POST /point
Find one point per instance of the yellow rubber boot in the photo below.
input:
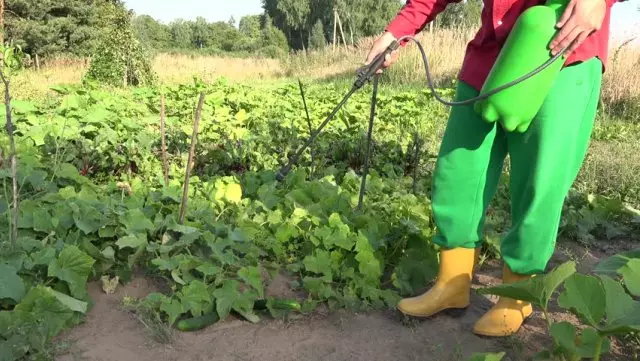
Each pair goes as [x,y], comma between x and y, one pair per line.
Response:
[507,315]
[452,288]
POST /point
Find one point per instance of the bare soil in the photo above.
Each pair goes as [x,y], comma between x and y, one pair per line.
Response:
[110,333]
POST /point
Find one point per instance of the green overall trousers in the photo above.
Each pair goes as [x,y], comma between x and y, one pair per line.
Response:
[545,161]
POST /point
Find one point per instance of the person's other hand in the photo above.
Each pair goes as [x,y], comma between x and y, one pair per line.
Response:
[379,46]
[579,20]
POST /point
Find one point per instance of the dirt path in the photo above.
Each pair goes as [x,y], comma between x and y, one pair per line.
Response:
[112,334]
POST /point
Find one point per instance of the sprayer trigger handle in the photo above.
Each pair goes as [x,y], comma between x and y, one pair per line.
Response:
[366,72]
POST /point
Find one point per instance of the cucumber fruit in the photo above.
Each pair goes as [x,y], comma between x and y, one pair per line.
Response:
[198,323]
[278,304]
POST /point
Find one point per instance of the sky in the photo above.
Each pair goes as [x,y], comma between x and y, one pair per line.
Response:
[625,19]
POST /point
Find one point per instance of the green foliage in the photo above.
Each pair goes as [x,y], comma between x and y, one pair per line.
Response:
[317,40]
[255,35]
[181,33]
[461,15]
[360,18]
[120,59]
[151,33]
[241,226]
[94,204]
[53,27]
[599,302]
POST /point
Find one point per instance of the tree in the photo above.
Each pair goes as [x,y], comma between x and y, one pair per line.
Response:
[363,18]
[250,26]
[295,14]
[119,59]
[151,33]
[461,15]
[201,33]
[181,34]
[47,27]
[360,18]
[317,40]
[272,36]
[250,33]
[223,36]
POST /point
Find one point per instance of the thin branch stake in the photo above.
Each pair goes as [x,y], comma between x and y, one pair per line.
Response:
[416,162]
[306,110]
[194,138]
[165,164]
[13,157]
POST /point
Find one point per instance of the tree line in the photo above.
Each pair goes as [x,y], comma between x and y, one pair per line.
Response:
[75,27]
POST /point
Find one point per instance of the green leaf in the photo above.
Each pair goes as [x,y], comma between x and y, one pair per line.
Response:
[88,219]
[487,356]
[107,232]
[623,313]
[229,297]
[368,265]
[208,269]
[173,308]
[319,263]
[68,171]
[44,257]
[584,296]
[132,241]
[631,276]
[195,297]
[72,303]
[249,316]
[175,274]
[253,277]
[574,346]
[73,266]
[564,335]
[11,285]
[108,253]
[588,341]
[610,266]
[318,288]
[136,222]
[41,304]
[537,290]
[418,267]
[42,221]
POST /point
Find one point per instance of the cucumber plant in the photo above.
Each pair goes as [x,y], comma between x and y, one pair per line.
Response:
[604,305]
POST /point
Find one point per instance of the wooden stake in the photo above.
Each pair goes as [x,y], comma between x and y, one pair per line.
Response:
[416,162]
[351,31]
[335,27]
[13,158]
[194,138]
[344,40]
[2,22]
[165,164]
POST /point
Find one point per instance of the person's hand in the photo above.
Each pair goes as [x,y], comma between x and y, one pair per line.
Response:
[380,45]
[579,20]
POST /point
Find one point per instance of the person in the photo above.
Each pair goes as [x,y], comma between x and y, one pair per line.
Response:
[545,159]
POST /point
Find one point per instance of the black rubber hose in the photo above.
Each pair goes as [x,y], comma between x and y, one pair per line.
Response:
[425,61]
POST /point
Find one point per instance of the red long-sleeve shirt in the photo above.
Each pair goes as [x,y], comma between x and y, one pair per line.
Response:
[498,18]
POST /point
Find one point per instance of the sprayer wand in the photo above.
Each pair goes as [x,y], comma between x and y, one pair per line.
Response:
[364,75]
